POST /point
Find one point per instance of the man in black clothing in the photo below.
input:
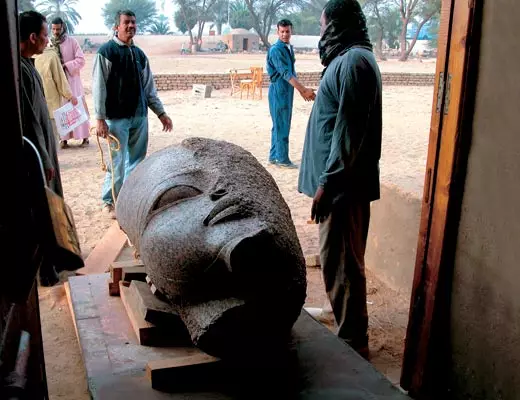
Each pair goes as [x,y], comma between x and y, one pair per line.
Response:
[340,162]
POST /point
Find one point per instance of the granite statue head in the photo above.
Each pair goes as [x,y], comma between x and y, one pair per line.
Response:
[218,241]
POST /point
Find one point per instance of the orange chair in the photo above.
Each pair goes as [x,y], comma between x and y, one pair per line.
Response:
[253,84]
[258,80]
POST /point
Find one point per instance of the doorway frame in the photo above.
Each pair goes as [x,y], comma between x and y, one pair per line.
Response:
[426,353]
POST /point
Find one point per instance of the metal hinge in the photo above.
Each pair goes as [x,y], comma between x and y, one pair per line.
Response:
[428,185]
[443,93]
[440,92]
[447,94]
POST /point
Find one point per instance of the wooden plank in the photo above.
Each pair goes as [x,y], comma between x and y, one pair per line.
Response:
[106,251]
[149,334]
[144,330]
[433,270]
[71,308]
[125,271]
[182,373]
[136,273]
[151,308]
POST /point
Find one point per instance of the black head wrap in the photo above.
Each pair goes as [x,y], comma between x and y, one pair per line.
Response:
[346,28]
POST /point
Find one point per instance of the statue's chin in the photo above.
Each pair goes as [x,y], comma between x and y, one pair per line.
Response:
[230,328]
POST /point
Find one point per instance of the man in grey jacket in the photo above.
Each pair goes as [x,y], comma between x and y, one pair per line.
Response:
[123,89]
[340,162]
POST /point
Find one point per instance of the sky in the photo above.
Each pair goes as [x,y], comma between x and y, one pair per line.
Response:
[92,21]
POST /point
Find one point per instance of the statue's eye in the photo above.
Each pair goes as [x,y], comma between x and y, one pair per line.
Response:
[176,194]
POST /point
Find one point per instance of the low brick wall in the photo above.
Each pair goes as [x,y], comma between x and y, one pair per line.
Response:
[222,81]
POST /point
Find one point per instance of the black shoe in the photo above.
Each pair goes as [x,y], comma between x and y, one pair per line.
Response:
[273,162]
[289,165]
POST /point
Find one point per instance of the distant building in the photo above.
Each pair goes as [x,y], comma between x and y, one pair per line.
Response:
[242,40]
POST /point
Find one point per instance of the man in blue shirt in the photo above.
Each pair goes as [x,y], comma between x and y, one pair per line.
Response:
[340,162]
[280,67]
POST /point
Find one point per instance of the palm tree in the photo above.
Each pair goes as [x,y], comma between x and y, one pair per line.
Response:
[239,16]
[160,26]
[60,8]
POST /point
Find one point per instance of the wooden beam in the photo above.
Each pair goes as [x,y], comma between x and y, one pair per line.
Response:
[149,334]
[144,330]
[125,271]
[106,251]
[182,373]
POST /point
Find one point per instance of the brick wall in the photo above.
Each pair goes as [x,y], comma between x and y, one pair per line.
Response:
[222,81]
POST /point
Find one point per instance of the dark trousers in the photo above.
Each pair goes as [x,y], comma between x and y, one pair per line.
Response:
[343,238]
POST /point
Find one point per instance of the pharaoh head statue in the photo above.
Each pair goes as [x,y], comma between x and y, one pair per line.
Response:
[218,241]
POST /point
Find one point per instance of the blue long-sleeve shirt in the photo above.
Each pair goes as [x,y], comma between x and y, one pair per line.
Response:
[280,63]
[343,139]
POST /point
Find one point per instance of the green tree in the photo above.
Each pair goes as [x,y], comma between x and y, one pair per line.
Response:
[203,11]
[220,14]
[433,30]
[25,5]
[305,22]
[145,12]
[160,26]
[264,14]
[63,9]
[239,16]
[383,23]
[420,11]
[180,23]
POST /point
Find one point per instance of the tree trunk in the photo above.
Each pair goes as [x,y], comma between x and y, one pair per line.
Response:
[199,34]
[219,28]
[257,26]
[183,11]
[414,40]
[379,46]
[402,40]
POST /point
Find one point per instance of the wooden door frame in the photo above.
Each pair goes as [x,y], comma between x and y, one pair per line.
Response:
[426,354]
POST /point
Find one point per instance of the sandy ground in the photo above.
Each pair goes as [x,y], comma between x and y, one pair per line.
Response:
[246,123]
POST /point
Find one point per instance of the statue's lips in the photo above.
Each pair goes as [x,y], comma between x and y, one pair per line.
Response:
[227,209]
[228,214]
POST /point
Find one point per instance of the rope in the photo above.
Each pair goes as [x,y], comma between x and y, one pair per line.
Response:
[113,145]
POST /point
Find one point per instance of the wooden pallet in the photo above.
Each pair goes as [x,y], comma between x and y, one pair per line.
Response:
[118,367]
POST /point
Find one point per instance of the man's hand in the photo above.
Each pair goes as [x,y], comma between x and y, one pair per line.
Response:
[49,174]
[74,100]
[166,122]
[308,94]
[102,128]
[320,206]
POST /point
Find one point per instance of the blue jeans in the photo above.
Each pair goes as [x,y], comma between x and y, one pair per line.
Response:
[133,136]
